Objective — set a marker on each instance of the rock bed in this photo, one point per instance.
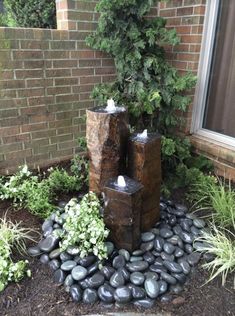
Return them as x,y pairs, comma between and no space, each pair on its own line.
159,267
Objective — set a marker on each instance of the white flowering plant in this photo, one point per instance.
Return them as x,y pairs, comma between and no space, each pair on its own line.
84,227
13,188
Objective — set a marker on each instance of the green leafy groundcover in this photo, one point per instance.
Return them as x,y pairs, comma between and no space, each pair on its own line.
151,89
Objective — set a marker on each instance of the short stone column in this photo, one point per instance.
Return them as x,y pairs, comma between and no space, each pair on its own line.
122,212
144,165
107,138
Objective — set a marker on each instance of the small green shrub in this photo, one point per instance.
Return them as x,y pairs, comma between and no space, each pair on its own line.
221,244
82,144
31,13
39,198
84,227
212,194
12,236
60,181
80,168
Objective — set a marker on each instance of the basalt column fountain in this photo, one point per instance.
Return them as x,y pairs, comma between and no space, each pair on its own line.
107,136
123,203
144,165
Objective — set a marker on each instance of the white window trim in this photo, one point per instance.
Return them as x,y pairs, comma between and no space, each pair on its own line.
210,23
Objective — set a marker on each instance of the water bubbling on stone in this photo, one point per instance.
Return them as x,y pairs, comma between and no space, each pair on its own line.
143,135
121,182
110,106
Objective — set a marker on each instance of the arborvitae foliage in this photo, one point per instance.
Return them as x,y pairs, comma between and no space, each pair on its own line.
146,83
31,13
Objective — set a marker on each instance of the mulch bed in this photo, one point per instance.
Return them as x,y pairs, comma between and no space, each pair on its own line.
40,296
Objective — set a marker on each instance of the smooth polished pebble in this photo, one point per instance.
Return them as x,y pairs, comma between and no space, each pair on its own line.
76,293
96,280
137,291
90,296
106,293
168,278
165,233
151,287
137,278
168,248
148,236
172,266
119,262
137,266
158,243
68,265
79,273
59,276
199,223
194,258
117,279
162,286
122,294
107,272
145,303
125,254
151,275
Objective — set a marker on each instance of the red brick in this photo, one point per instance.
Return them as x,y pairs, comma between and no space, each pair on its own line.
82,72
67,98
197,29
183,29
90,63
59,90
31,92
42,118
196,48
200,10
12,84
185,11
8,113
168,13
24,74
174,3
187,57
27,55
90,79
34,127
33,110
7,131
173,21
65,63
191,39
83,54
40,100
105,71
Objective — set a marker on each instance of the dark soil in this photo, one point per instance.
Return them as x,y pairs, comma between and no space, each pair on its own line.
40,296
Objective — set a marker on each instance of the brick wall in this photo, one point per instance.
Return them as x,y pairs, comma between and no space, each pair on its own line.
187,17
46,77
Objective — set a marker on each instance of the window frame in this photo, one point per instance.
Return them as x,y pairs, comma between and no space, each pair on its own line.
206,55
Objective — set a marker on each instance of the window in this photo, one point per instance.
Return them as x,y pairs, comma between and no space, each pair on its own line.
214,108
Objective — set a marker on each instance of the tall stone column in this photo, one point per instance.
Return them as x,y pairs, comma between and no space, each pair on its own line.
144,165
107,137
